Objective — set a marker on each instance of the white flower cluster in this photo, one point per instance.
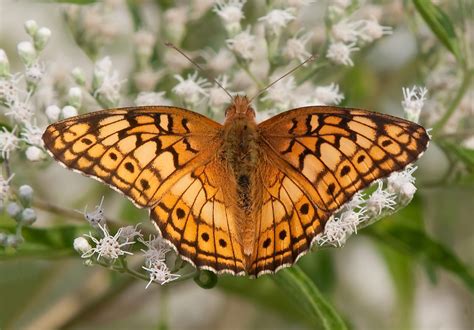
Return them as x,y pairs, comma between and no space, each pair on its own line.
155,261
25,135
391,194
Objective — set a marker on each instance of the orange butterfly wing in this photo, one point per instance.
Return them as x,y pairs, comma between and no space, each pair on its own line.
140,151
317,159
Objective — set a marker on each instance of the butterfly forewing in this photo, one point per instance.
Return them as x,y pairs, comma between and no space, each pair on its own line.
139,151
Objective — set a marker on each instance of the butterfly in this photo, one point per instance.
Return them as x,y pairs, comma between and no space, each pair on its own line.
238,198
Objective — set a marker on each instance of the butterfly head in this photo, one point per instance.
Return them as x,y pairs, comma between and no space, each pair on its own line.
240,107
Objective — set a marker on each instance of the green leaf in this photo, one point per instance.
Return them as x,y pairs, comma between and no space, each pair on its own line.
44,242
307,296
415,242
440,24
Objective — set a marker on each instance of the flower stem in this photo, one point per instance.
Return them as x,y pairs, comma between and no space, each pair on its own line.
454,104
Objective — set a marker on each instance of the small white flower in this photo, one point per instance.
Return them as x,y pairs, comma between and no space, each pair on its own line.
27,52
95,217
217,96
108,247
32,134
34,154
8,142
219,62
81,245
334,233
53,112
243,44
356,202
402,183
340,53
347,31
156,250
9,91
152,98
20,111
68,111
277,19
295,47
129,233
144,43
34,73
380,200
193,89
4,187
281,94
328,95
231,14
175,20
372,30
106,83
160,273
4,64
413,101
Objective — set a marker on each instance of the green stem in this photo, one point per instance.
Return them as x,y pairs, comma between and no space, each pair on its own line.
454,104
163,320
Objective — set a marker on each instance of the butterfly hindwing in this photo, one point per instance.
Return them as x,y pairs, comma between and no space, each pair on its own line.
196,217
139,151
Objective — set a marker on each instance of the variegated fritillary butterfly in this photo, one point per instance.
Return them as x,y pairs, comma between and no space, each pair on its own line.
242,197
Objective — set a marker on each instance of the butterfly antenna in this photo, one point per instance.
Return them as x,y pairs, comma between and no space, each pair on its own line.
169,44
309,59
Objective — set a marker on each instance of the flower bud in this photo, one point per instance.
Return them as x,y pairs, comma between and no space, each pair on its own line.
13,241
81,245
69,111
75,97
78,76
53,112
26,193
41,38
28,216
13,210
4,64
34,154
31,27
27,52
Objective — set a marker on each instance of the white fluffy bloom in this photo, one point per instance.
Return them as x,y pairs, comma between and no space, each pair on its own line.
243,44
95,217
402,183
295,47
175,22
81,245
53,112
4,187
219,62
281,94
277,19
328,95
347,31
32,134
34,154
106,83
152,98
231,14
34,73
68,111
413,101
156,250
380,200
144,42
8,142
129,233
108,247
193,89
372,30
334,233
27,52
20,111
160,273
340,53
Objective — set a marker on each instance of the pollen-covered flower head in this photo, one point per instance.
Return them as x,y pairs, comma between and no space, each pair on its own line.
108,246
277,19
192,89
340,53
